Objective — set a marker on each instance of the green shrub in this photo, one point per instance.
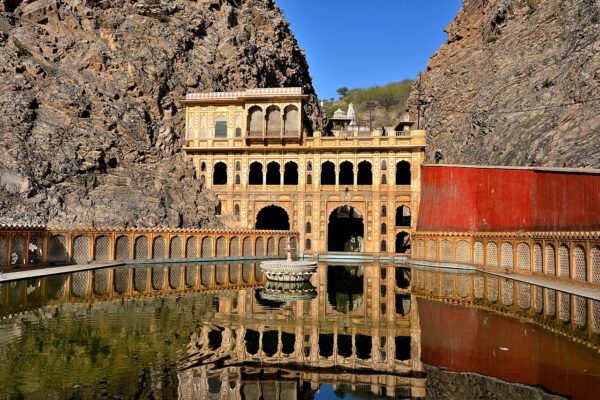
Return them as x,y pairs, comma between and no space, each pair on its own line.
531,6
491,38
390,97
21,50
98,22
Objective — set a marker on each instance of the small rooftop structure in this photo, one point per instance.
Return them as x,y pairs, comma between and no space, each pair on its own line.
340,120
339,114
405,124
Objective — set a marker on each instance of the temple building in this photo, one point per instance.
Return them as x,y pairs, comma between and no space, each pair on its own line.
343,189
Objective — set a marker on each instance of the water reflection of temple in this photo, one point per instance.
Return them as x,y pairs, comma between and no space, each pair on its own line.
367,340
573,315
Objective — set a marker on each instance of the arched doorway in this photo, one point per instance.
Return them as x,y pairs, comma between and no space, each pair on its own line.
403,175
403,216
365,173
256,174
273,173
346,230
273,218
220,174
346,173
402,242
290,174
327,173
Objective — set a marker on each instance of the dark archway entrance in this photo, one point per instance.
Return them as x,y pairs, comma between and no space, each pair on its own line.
346,230
403,175
345,287
346,173
256,174
290,174
402,242
273,218
273,174
403,216
220,174
365,174
327,173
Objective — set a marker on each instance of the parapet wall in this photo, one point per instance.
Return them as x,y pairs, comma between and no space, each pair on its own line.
500,199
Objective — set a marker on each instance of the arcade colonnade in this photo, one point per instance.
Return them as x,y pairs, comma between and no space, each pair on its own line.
31,246
572,256
383,188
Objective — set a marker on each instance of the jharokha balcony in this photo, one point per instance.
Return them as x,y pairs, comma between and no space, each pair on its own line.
273,137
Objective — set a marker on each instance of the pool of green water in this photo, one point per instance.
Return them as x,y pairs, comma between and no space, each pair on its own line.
355,332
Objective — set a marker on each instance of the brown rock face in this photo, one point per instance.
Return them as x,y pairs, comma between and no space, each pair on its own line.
90,124
517,81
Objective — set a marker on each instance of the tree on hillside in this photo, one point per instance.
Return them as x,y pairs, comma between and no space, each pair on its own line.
343,91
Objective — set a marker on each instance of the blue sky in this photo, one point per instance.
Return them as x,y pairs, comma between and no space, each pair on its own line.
357,43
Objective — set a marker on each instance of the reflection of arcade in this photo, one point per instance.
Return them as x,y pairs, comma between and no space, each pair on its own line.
108,283
573,315
312,341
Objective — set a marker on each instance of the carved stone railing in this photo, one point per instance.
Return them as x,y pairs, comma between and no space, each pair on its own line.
572,256
24,245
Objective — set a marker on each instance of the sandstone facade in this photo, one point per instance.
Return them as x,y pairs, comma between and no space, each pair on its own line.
517,81
91,126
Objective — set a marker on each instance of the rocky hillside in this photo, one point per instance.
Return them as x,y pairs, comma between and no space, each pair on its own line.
90,124
517,81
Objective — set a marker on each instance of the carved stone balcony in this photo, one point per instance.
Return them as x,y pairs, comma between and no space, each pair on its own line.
273,137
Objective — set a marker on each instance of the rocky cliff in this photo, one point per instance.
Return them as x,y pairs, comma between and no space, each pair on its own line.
90,123
517,81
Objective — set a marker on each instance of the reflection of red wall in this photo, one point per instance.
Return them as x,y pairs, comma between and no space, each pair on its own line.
496,199
469,340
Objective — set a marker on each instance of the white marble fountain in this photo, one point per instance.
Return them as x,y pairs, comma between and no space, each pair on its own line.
288,270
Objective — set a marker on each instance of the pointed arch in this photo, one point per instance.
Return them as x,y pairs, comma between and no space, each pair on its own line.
403,173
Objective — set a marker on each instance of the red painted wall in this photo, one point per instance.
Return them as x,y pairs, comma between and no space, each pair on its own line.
504,199
469,340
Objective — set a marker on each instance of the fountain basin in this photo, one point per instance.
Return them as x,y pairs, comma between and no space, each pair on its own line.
284,292
288,271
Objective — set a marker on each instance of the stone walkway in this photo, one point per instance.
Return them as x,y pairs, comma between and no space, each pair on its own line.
25,273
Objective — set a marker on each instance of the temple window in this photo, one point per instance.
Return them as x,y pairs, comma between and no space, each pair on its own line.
328,173
220,174
346,173
365,175
403,217
255,121
291,121
290,174
255,177
273,121
221,126
403,173
273,173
